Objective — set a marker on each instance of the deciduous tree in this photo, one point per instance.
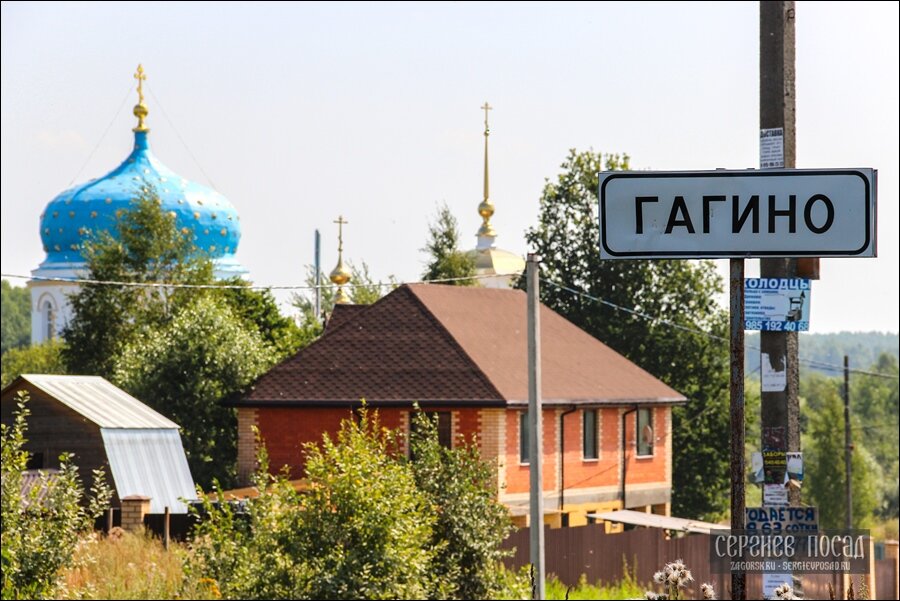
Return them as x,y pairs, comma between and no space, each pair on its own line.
654,313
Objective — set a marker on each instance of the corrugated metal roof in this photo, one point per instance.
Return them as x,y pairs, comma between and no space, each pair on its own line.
652,520
150,463
99,401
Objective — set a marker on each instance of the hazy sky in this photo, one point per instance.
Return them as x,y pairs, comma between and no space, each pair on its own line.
299,113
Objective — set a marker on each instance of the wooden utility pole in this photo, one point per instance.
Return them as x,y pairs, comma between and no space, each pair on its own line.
777,109
535,430
848,444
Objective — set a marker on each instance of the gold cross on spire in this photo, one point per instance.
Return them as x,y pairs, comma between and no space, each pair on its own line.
341,222
486,108
340,275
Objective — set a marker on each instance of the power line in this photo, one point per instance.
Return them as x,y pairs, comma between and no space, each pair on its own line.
88,281
635,312
695,330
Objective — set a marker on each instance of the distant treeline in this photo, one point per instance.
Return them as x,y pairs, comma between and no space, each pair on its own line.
863,348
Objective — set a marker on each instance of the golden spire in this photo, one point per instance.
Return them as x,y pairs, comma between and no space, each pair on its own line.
140,109
340,275
486,207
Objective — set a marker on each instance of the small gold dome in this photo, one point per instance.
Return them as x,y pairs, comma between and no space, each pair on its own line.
339,275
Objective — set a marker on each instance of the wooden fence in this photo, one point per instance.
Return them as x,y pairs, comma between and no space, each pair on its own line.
589,550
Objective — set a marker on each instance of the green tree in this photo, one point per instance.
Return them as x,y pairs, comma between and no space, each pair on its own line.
15,317
665,293
361,531
875,403
186,369
471,524
824,464
445,260
148,248
42,526
258,310
44,358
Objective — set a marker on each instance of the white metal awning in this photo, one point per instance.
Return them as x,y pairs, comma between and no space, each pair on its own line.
652,520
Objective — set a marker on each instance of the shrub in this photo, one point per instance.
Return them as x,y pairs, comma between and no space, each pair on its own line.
41,526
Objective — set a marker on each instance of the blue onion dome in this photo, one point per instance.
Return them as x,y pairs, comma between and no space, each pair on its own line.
92,207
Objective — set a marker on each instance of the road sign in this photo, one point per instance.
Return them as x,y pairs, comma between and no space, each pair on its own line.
709,214
776,304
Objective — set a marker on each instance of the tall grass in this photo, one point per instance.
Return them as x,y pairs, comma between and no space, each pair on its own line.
129,566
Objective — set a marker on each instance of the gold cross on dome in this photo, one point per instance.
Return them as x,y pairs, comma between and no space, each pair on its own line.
140,77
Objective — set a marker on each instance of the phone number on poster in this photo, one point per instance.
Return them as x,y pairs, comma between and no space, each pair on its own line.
776,326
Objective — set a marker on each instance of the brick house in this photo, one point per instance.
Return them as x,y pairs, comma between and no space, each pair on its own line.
462,353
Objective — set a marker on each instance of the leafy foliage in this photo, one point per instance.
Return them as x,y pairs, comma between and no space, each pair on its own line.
182,350
44,358
824,466
471,524
875,402
15,317
372,525
185,369
149,248
445,258
41,528
259,311
674,292
362,531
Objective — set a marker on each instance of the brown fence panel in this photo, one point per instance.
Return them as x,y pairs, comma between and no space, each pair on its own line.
886,579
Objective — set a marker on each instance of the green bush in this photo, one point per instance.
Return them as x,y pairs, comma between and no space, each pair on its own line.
372,525
42,527
471,524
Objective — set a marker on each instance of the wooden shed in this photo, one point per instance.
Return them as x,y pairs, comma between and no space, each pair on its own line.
104,427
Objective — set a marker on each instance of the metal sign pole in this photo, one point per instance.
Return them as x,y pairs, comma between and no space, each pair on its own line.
736,290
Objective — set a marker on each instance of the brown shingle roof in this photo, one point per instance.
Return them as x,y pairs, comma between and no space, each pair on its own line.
432,343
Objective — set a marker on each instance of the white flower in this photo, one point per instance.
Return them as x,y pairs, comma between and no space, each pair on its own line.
784,591
708,591
659,577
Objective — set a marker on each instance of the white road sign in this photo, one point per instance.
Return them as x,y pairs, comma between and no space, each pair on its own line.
770,213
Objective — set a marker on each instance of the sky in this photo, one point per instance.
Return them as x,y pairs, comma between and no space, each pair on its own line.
299,113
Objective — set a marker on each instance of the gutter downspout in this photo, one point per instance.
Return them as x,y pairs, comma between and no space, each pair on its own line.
562,457
625,451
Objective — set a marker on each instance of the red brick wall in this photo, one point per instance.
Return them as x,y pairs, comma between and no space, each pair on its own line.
604,471
517,475
285,429
647,469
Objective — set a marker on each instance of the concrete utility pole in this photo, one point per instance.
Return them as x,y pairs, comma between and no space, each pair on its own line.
848,444
777,109
535,430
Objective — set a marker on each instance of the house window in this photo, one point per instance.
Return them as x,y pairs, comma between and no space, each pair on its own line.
441,419
523,437
645,432
589,434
